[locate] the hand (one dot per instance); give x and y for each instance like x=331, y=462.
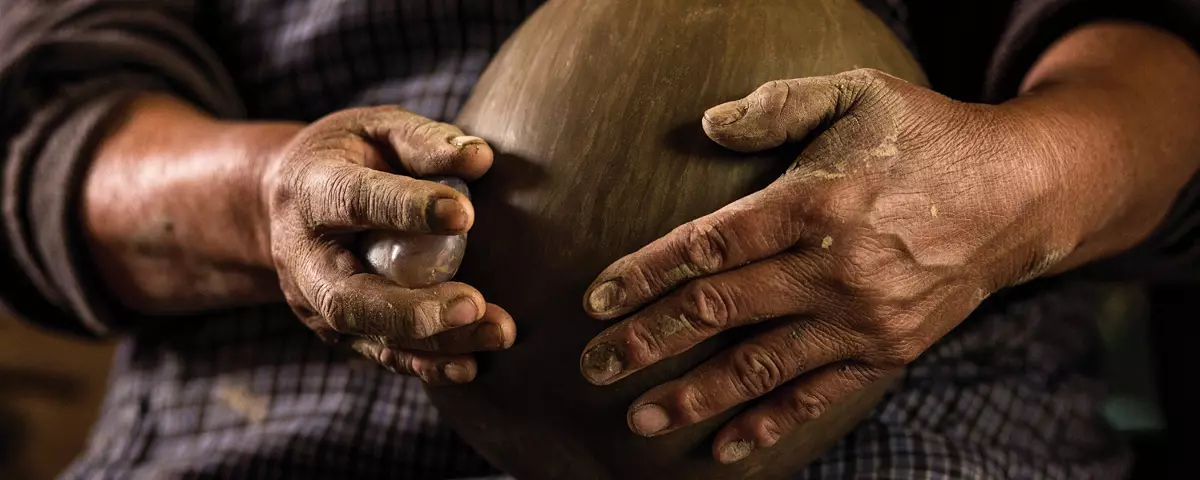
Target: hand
x=332, y=182
x=904, y=212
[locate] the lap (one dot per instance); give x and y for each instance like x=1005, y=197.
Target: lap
x=1010, y=394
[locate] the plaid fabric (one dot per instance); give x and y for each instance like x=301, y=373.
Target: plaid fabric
x=253, y=394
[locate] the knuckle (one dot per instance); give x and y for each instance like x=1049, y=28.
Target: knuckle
x=643, y=346
x=331, y=305
x=388, y=358
x=756, y=371
x=771, y=92
x=768, y=430
x=302, y=189
x=707, y=306
x=862, y=79
x=865, y=270
x=707, y=246
x=692, y=405
x=425, y=370
x=377, y=120
x=426, y=129
x=406, y=364
x=421, y=320
x=344, y=194
x=639, y=279
x=859, y=374
x=406, y=206
x=806, y=405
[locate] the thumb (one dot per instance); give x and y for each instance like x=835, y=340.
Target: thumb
x=425, y=147
x=785, y=110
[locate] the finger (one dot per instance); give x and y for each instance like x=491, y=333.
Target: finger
x=425, y=147
x=738, y=375
x=786, y=110
x=338, y=195
x=355, y=303
x=495, y=331
x=431, y=368
x=750, y=229
x=787, y=408
x=782, y=285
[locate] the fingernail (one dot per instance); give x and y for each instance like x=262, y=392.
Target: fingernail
x=607, y=297
x=489, y=336
x=461, y=312
x=447, y=214
x=724, y=114
x=649, y=419
x=735, y=451
x=601, y=363
x=464, y=140
x=456, y=373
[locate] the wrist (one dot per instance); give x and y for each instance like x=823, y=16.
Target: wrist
x=1110, y=108
x=1093, y=189
x=170, y=208
x=264, y=144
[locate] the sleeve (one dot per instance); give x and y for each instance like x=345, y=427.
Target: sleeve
x=1172, y=253
x=66, y=68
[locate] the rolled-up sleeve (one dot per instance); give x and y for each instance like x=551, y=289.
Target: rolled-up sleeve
x=66, y=69
x=1172, y=253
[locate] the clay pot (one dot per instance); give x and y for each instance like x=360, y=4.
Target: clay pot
x=594, y=109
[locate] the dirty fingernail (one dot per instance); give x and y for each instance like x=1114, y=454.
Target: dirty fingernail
x=464, y=140
x=601, y=363
x=735, y=451
x=724, y=114
x=456, y=373
x=489, y=336
x=447, y=214
x=607, y=297
x=461, y=312
x=650, y=419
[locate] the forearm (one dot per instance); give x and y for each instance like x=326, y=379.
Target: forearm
x=171, y=208
x=1115, y=109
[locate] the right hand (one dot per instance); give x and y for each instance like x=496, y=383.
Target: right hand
x=338, y=178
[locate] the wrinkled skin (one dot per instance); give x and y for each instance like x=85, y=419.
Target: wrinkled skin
x=334, y=181
x=904, y=212
x=416, y=260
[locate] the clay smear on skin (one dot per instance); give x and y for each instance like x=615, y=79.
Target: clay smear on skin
x=886, y=148
x=666, y=325
x=681, y=273
x=737, y=450
x=602, y=361
x=1044, y=263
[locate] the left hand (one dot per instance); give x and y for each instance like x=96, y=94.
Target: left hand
x=897, y=220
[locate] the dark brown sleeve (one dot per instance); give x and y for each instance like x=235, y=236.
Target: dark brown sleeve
x=1173, y=252
x=65, y=68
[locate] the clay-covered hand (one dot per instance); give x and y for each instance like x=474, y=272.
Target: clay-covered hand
x=340, y=177
x=904, y=212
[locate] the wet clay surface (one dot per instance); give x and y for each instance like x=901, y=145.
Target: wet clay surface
x=594, y=110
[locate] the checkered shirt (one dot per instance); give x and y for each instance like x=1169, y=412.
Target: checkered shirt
x=1013, y=393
